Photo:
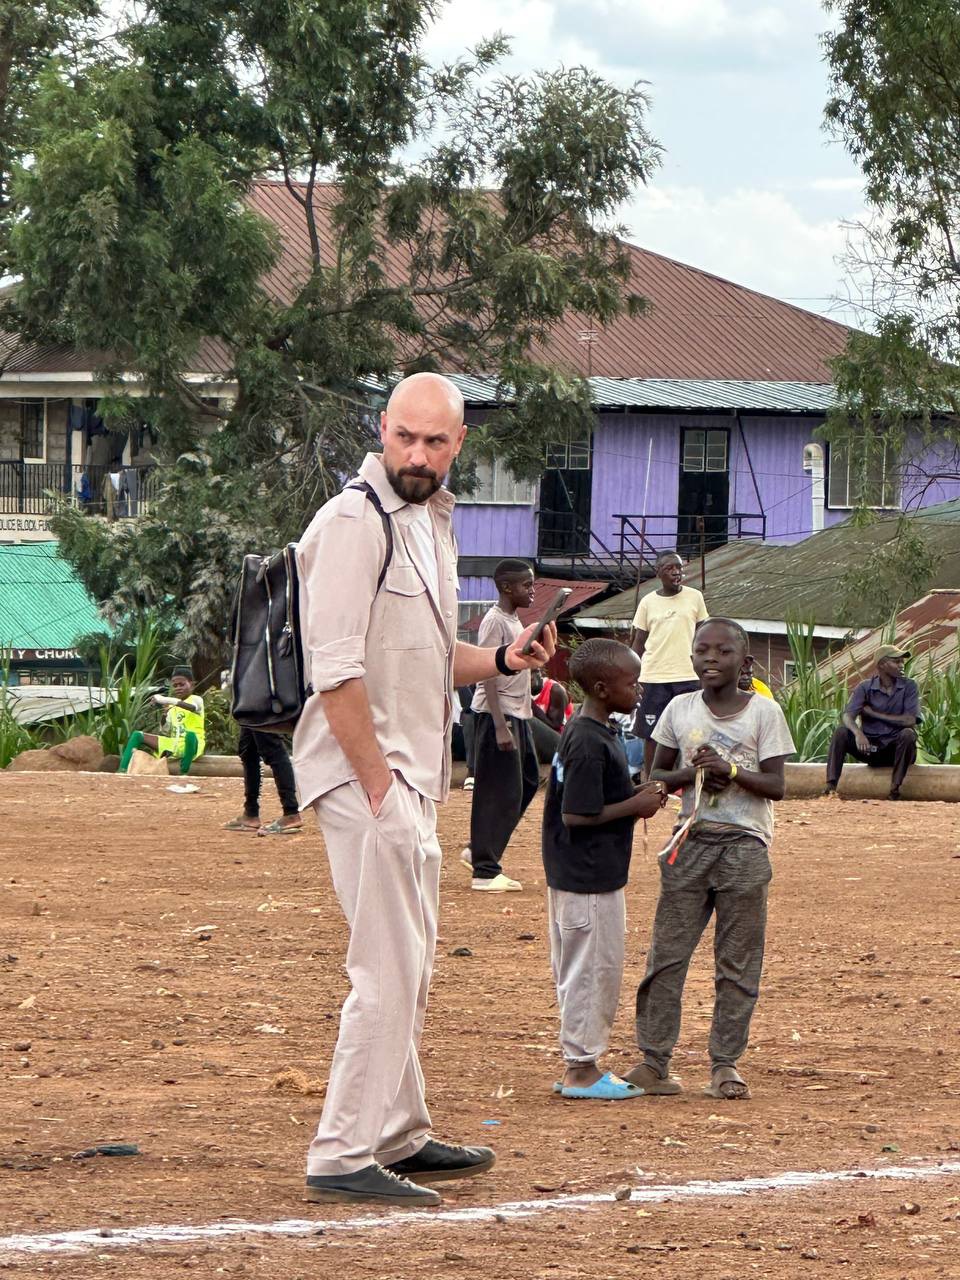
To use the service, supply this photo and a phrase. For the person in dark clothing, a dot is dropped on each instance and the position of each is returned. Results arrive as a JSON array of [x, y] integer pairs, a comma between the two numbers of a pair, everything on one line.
[[887, 707], [271, 748], [507, 774], [588, 820]]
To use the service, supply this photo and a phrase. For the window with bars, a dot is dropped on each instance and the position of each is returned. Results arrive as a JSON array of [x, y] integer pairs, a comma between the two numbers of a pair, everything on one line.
[[704, 450], [496, 483], [569, 455], [33, 430], [863, 473]]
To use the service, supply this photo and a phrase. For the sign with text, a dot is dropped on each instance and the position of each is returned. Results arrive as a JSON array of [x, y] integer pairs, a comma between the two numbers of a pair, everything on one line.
[[25, 529]]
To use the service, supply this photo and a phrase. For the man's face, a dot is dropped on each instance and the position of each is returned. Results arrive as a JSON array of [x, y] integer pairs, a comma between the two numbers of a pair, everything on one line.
[[718, 655], [623, 684], [891, 667], [420, 442], [181, 687], [670, 573], [746, 674]]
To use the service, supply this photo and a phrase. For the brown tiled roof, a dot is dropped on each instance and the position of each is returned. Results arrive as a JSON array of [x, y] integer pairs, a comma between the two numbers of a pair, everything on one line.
[[699, 326], [212, 357]]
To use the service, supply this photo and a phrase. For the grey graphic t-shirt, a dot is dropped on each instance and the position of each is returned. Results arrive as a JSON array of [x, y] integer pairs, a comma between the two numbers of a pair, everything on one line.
[[758, 732]]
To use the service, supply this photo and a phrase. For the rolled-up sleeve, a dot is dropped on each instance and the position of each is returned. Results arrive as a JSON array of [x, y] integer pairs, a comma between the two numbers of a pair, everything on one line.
[[340, 560]]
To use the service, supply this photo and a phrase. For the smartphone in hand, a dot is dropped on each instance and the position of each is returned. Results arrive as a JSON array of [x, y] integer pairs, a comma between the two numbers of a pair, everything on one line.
[[551, 613]]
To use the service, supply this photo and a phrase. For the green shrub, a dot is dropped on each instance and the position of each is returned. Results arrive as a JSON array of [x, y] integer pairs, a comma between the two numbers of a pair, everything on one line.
[[222, 731]]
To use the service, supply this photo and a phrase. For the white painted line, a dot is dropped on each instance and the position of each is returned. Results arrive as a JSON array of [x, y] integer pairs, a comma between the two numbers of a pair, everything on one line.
[[134, 1237]]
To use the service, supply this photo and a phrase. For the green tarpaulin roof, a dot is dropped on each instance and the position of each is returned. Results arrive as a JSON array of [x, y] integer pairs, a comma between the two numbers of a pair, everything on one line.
[[43, 604]]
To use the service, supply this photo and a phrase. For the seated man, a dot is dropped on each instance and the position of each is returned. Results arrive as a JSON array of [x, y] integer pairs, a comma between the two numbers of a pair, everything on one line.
[[184, 739], [888, 705], [552, 709]]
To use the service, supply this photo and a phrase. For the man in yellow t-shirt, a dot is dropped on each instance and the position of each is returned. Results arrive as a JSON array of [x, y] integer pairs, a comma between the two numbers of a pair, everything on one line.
[[184, 725], [663, 639]]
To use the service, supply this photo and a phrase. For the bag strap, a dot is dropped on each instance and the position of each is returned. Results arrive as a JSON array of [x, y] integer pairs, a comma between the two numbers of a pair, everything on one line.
[[371, 493]]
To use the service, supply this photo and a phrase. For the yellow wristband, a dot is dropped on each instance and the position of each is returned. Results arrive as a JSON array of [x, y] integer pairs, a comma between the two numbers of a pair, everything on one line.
[[733, 771]]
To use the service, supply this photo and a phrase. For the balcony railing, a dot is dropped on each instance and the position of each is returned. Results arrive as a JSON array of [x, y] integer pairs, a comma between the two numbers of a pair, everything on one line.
[[639, 538], [32, 488]]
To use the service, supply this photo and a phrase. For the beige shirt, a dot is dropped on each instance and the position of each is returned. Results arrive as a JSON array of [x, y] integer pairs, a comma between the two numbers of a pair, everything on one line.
[[399, 640], [513, 692], [669, 622]]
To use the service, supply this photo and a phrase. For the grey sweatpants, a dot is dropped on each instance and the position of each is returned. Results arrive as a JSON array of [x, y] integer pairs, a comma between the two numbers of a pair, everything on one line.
[[716, 871], [587, 937]]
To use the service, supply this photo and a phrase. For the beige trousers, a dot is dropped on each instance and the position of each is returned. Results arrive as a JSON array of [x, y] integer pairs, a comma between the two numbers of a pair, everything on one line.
[[386, 873]]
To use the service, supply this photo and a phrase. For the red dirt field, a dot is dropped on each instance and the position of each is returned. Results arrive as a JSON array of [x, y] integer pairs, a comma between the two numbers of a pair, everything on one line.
[[157, 974]]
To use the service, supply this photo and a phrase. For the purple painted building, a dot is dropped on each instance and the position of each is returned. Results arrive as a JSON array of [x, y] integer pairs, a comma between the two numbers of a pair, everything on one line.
[[706, 432]]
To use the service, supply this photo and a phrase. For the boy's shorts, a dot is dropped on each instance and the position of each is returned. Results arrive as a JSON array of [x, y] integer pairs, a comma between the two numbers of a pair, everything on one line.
[[654, 703]]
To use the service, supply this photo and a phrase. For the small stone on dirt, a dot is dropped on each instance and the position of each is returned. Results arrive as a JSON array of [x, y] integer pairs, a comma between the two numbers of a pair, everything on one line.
[[454, 1257], [910, 1207], [21, 1046], [461, 951], [809, 1255], [622, 1193]]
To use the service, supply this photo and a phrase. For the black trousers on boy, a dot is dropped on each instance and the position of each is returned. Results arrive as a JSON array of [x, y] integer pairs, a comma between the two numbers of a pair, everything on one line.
[[271, 748], [504, 784]]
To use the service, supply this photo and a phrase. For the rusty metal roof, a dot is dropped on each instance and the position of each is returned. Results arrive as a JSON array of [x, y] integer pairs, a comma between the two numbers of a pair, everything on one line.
[[777, 582], [544, 590], [928, 629]]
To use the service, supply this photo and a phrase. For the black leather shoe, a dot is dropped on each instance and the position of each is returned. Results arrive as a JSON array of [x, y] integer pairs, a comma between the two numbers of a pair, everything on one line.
[[373, 1185], [438, 1161]]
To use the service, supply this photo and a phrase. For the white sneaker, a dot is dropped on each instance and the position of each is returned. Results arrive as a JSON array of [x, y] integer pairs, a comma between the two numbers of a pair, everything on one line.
[[466, 858], [499, 884], [468, 784]]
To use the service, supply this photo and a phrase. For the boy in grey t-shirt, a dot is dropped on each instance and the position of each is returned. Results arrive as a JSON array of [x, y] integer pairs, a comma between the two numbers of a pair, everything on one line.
[[737, 742]]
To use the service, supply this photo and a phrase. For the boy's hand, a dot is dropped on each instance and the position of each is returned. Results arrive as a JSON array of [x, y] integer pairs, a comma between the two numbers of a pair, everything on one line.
[[646, 800], [716, 770], [505, 739], [163, 701]]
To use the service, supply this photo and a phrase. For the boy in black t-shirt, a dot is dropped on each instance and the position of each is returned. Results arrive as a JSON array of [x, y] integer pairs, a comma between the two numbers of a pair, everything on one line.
[[588, 821]]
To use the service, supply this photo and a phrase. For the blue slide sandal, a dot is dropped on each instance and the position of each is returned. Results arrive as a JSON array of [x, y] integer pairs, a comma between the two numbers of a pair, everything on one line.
[[609, 1088]]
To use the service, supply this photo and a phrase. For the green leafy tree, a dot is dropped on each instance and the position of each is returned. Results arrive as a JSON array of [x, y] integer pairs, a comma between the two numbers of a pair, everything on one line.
[[496, 194], [30, 34], [895, 70]]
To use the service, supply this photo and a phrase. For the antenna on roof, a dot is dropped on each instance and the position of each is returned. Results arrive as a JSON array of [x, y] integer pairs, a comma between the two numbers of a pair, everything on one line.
[[589, 336]]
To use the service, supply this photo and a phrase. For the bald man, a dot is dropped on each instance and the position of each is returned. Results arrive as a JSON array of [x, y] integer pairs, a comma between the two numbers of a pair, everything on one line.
[[372, 757]]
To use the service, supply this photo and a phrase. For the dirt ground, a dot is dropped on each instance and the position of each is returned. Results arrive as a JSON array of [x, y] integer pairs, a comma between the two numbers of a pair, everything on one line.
[[157, 975]]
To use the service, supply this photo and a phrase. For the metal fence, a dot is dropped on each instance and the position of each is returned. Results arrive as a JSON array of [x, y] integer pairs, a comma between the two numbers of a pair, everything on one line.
[[33, 488]]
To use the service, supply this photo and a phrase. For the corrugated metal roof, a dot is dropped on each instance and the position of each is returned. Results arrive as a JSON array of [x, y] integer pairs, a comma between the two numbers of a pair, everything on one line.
[[666, 393], [43, 604], [763, 580], [928, 629], [697, 328], [212, 358]]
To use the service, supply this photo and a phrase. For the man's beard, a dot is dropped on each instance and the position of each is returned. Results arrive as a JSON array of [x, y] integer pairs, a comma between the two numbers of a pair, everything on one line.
[[413, 484]]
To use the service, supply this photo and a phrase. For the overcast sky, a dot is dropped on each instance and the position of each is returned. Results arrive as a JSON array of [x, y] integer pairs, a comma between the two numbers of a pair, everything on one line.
[[751, 186]]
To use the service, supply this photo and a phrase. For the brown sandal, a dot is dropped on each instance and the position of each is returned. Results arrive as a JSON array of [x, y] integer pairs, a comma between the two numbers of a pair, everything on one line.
[[727, 1084], [652, 1083]]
